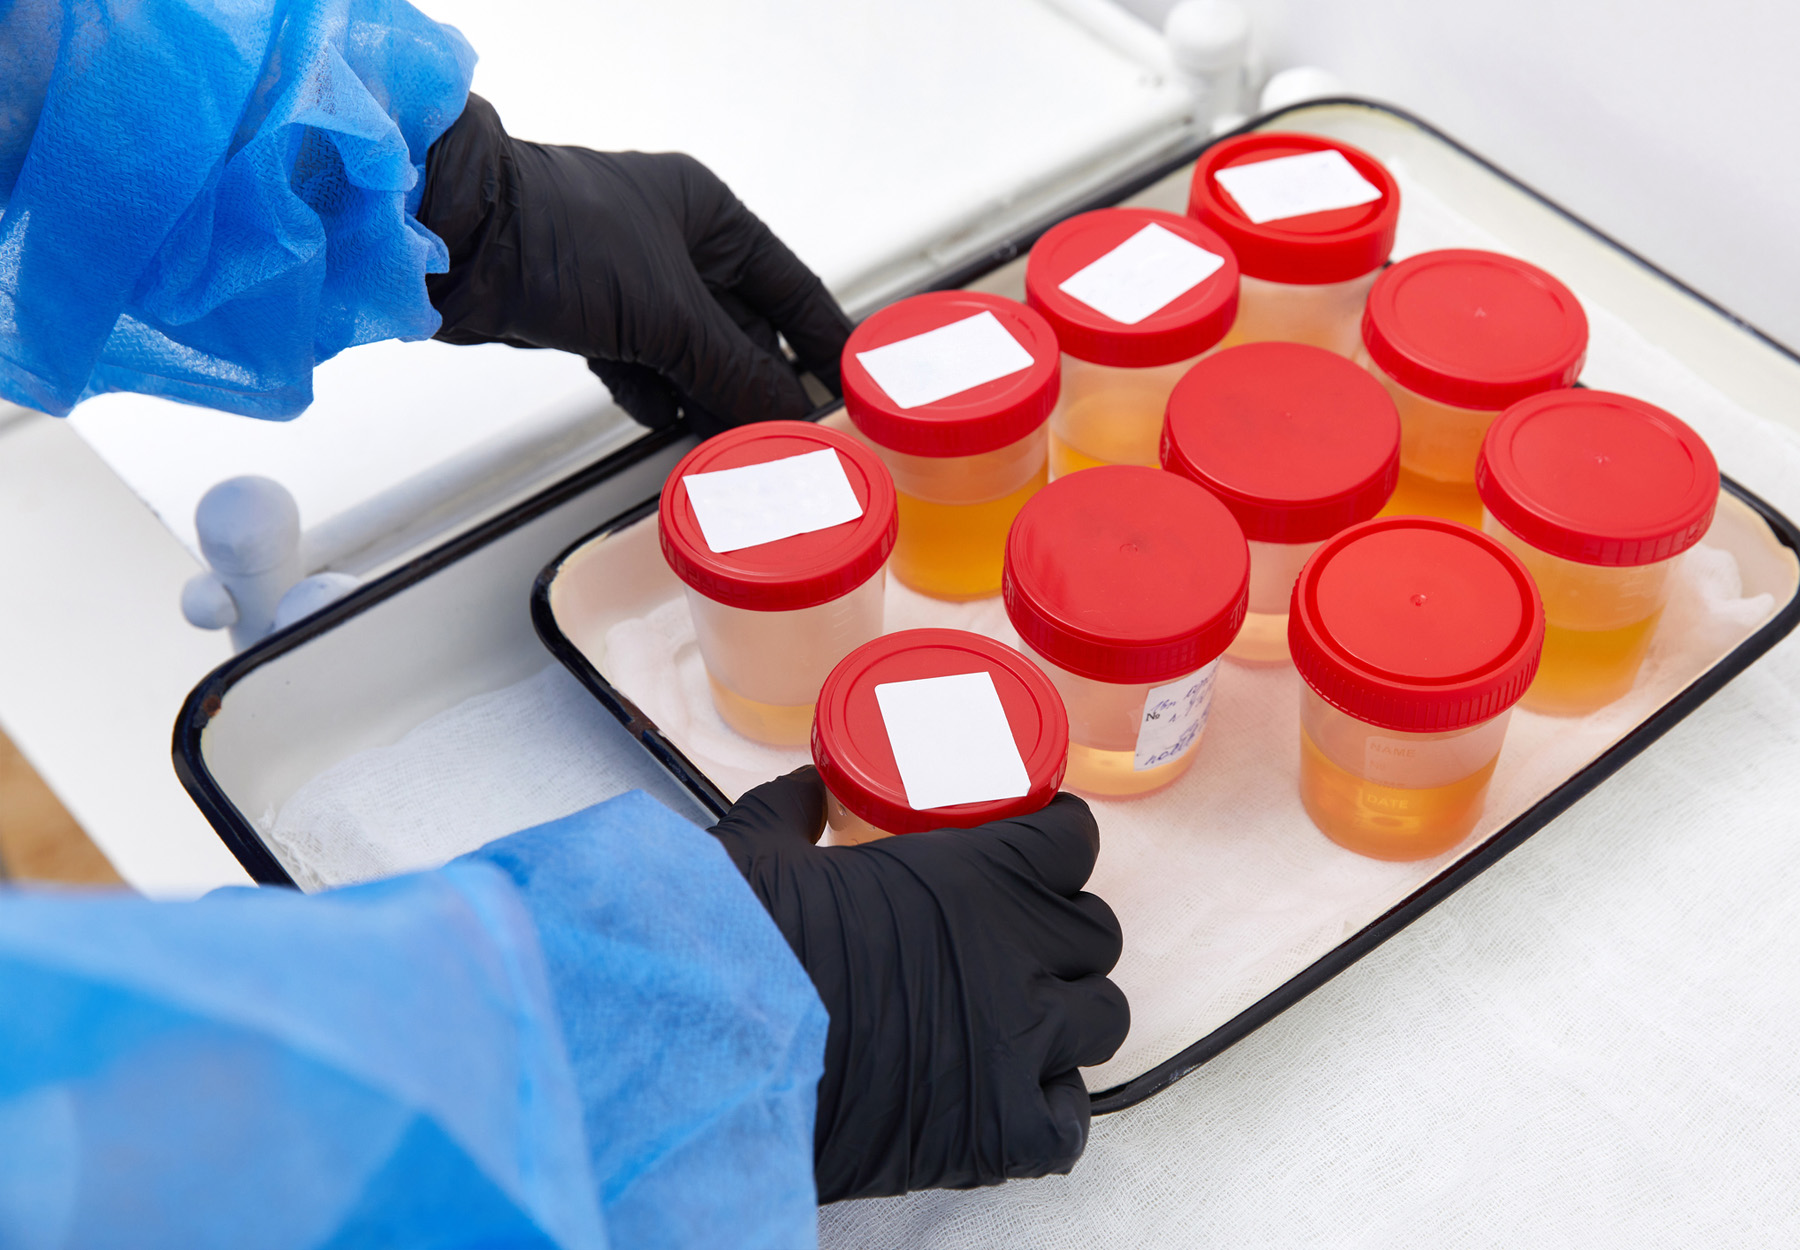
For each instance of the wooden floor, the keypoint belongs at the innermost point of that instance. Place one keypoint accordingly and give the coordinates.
(39, 840)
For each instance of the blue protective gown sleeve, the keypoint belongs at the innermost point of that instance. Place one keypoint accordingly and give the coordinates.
(588, 1034)
(203, 200)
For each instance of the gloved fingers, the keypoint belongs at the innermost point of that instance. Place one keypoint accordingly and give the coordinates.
(709, 359)
(1087, 1021)
(790, 807)
(756, 327)
(1052, 1146)
(733, 250)
(1057, 844)
(639, 391)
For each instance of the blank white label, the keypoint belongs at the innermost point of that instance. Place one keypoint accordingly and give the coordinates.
(1174, 715)
(946, 361)
(951, 741)
(1143, 275)
(761, 503)
(1293, 186)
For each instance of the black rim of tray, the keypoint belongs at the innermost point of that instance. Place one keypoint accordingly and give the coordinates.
(244, 841)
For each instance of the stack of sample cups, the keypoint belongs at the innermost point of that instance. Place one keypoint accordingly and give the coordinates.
(1135, 297)
(1414, 637)
(1299, 443)
(779, 532)
(1597, 494)
(1457, 337)
(935, 729)
(1128, 584)
(953, 389)
(1311, 221)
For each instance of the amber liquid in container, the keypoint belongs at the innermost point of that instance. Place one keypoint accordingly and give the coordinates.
(1414, 637)
(1106, 721)
(1597, 494)
(1457, 337)
(771, 618)
(967, 447)
(1116, 374)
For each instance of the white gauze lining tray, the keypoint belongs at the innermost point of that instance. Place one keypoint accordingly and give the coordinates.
(1224, 888)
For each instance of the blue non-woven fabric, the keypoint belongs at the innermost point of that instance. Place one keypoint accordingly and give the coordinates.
(205, 200)
(587, 1035)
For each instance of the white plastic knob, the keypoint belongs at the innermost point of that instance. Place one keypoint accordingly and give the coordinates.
(206, 603)
(310, 594)
(1207, 36)
(247, 525)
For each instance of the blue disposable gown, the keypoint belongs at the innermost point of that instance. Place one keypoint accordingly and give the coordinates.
(589, 1034)
(203, 199)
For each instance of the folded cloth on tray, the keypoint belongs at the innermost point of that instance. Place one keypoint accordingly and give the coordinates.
(587, 1034)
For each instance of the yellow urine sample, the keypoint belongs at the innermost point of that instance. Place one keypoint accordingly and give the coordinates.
(845, 827)
(1387, 821)
(955, 512)
(1418, 495)
(1110, 775)
(773, 723)
(1110, 415)
(955, 551)
(1262, 641)
(1274, 568)
(1599, 622)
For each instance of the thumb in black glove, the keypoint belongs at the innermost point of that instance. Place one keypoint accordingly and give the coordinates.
(646, 264)
(964, 972)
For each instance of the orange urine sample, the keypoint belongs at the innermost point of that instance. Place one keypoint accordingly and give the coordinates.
(955, 512)
(1438, 447)
(1389, 794)
(1327, 315)
(765, 668)
(1598, 625)
(1104, 721)
(1110, 415)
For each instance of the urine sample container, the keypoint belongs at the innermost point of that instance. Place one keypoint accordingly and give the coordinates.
(1135, 297)
(1311, 221)
(782, 561)
(953, 389)
(935, 729)
(1597, 493)
(1127, 584)
(1458, 337)
(1414, 637)
(1298, 443)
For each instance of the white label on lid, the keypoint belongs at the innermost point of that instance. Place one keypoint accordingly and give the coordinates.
(946, 361)
(1293, 186)
(951, 741)
(1174, 715)
(760, 503)
(1143, 275)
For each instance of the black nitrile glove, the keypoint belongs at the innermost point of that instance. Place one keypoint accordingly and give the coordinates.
(643, 263)
(965, 973)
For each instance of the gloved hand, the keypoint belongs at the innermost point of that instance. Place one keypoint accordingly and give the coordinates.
(964, 971)
(644, 263)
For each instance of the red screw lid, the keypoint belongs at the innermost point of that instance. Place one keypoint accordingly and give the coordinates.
(796, 572)
(1297, 441)
(1126, 574)
(1417, 624)
(1474, 329)
(1311, 250)
(983, 418)
(1598, 478)
(1186, 326)
(850, 743)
